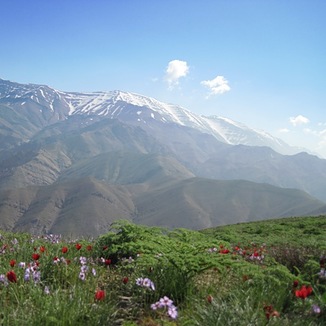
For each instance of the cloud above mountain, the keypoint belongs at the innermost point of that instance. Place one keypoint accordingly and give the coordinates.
(218, 85)
(298, 120)
(175, 70)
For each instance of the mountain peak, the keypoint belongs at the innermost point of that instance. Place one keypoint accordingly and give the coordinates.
(132, 108)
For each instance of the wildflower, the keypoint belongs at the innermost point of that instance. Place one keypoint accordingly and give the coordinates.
(268, 311)
(304, 292)
(322, 273)
(64, 250)
(36, 256)
(11, 276)
(22, 264)
(295, 283)
(224, 251)
(3, 279)
(12, 263)
(145, 282)
(84, 268)
(27, 275)
(315, 309)
(89, 248)
(56, 260)
(42, 249)
(156, 305)
(209, 299)
(99, 295)
(166, 302)
(107, 262)
(83, 260)
(125, 280)
(172, 312)
(78, 246)
(94, 271)
(36, 276)
(46, 290)
(82, 276)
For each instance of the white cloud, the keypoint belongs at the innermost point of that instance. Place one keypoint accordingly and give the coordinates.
(284, 130)
(174, 71)
(298, 120)
(218, 85)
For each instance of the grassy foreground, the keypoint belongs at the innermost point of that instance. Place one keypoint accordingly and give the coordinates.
(261, 273)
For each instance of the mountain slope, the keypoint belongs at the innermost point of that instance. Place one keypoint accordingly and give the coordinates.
(200, 203)
(43, 105)
(66, 157)
(87, 206)
(83, 207)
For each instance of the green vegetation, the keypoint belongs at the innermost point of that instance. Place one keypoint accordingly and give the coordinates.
(259, 273)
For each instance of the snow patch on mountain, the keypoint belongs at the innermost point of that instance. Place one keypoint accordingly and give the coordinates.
(130, 107)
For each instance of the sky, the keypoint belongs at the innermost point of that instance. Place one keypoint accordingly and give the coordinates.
(259, 62)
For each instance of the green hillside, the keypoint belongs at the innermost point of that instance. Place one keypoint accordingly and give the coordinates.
(259, 273)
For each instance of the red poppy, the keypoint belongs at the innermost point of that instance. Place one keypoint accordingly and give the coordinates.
(12, 263)
(209, 299)
(105, 247)
(89, 248)
(295, 283)
(107, 262)
(42, 249)
(99, 295)
(56, 259)
(78, 246)
(36, 256)
(64, 250)
(125, 280)
(11, 276)
(224, 251)
(304, 292)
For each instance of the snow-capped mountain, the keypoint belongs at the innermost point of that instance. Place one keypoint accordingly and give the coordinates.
(133, 108)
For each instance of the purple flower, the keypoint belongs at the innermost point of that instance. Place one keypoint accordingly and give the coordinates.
(316, 309)
(166, 302)
(3, 279)
(82, 276)
(145, 282)
(156, 305)
(173, 312)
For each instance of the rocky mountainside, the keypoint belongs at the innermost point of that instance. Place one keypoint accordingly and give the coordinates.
(74, 162)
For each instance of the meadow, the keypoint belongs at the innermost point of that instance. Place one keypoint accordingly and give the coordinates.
(260, 273)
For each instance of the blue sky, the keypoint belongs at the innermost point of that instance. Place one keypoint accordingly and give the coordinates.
(260, 62)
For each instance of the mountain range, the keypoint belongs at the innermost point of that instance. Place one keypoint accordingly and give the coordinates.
(72, 163)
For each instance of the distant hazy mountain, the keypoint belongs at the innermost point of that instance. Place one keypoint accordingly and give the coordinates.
(74, 162)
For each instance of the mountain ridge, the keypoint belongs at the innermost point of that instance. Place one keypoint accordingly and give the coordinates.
(74, 162)
(142, 109)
